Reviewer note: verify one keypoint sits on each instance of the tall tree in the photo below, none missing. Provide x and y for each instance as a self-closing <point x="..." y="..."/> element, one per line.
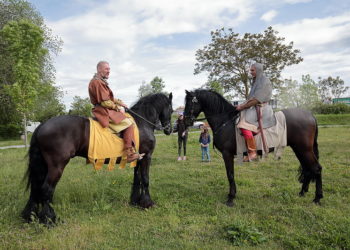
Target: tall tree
<point x="48" y="103"/>
<point x="145" y="89"/>
<point x="228" y="56"/>
<point x="288" y="94"/>
<point x="308" y="93"/>
<point x="157" y="85"/>
<point x="330" y="88"/>
<point x="24" y="44"/>
<point x="294" y="94"/>
<point x="16" y="10"/>
<point x="81" y="106"/>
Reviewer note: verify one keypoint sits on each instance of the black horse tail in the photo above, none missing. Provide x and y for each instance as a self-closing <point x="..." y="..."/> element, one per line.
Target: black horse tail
<point x="37" y="167"/>
<point x="315" y="142"/>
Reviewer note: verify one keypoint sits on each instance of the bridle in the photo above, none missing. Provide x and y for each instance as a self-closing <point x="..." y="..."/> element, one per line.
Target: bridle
<point x="192" y="118"/>
<point x="166" y="127"/>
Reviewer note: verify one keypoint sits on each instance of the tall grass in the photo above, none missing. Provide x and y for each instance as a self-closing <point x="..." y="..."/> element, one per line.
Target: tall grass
<point x="190" y="195"/>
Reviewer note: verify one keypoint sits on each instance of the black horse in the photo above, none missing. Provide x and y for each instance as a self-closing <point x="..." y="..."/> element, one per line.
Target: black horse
<point x="302" y="134"/>
<point x="61" y="138"/>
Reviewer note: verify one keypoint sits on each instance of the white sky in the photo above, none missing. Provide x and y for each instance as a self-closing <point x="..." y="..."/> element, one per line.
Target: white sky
<point x="146" y="38"/>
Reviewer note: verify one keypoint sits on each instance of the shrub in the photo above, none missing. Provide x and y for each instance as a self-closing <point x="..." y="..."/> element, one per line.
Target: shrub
<point x="240" y="234"/>
<point x="10" y="131"/>
<point x="338" y="108"/>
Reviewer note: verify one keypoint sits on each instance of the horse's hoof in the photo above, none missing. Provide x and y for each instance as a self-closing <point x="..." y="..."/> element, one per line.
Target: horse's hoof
<point x="317" y="202"/>
<point x="134" y="203"/>
<point x="301" y="194"/>
<point x="147" y="204"/>
<point x="229" y="203"/>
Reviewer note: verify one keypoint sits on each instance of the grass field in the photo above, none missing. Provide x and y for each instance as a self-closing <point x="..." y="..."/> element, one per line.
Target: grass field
<point x="190" y="196"/>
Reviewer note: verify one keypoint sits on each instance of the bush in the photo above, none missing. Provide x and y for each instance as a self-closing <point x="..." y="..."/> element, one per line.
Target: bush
<point x="338" y="108"/>
<point x="10" y="131"/>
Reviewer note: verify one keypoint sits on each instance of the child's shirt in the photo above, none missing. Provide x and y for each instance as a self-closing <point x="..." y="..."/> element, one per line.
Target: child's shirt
<point x="204" y="140"/>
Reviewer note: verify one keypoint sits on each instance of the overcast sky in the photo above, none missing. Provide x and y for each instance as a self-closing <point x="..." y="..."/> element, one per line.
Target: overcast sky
<point x="146" y="38"/>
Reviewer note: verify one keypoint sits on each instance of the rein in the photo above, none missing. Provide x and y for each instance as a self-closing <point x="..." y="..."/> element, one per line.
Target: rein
<point x="222" y="125"/>
<point x="143" y="118"/>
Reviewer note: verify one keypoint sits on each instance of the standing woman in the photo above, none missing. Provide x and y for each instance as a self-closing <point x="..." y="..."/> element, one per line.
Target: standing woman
<point x="182" y="134"/>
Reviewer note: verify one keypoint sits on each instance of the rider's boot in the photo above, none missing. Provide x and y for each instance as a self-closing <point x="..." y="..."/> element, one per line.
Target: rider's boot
<point x="251" y="146"/>
<point x="128" y="137"/>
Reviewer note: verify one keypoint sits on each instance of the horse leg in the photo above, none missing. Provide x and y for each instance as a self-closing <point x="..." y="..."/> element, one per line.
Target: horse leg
<point x="47" y="215"/>
<point x="31" y="209"/>
<point x="310" y="170"/>
<point x="145" y="199"/>
<point x="305" y="183"/>
<point x="228" y="158"/>
<point x="136" y="187"/>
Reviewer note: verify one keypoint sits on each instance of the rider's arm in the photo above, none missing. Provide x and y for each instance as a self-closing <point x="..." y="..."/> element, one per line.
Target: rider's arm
<point x="247" y="104"/>
<point x="109" y="104"/>
<point x="119" y="102"/>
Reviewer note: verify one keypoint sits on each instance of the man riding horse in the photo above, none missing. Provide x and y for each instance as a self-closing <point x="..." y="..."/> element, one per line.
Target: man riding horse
<point x="258" y="98"/>
<point x="109" y="111"/>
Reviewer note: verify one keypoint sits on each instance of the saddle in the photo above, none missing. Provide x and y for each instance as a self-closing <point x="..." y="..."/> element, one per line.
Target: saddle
<point x="105" y="144"/>
<point x="276" y="137"/>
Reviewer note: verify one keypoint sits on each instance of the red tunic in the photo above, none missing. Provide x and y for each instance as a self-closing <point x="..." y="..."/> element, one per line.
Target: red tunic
<point x="99" y="92"/>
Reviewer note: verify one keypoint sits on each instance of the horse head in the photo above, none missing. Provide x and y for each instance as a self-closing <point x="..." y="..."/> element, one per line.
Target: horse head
<point x="192" y="108"/>
<point x="165" y="115"/>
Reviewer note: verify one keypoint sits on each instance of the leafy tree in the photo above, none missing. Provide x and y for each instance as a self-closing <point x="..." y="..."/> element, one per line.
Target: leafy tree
<point x="155" y="86"/>
<point x="330" y="88"/>
<point x="228" y="57"/>
<point x="145" y="89"/>
<point x="48" y="103"/>
<point x="293" y="94"/>
<point x="308" y="93"/>
<point x="214" y="85"/>
<point x="16" y="10"/>
<point x="288" y="94"/>
<point x="24" y="44"/>
<point x="81" y="106"/>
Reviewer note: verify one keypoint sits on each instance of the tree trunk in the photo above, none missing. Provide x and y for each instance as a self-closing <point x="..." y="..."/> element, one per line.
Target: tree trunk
<point x="25" y="131"/>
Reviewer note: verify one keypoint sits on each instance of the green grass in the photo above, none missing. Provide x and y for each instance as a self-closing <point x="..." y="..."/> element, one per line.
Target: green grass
<point x="333" y="119"/>
<point x="190" y="196"/>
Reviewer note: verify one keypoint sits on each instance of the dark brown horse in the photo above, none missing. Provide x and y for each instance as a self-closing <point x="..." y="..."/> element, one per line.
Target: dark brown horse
<point x="61" y="138"/>
<point x="302" y="134"/>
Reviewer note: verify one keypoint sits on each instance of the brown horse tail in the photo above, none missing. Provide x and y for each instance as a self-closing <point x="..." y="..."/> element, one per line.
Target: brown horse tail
<point x="37" y="168"/>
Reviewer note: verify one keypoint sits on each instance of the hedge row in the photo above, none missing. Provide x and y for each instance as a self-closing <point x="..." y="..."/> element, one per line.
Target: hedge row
<point x="10" y="131"/>
<point x="338" y="108"/>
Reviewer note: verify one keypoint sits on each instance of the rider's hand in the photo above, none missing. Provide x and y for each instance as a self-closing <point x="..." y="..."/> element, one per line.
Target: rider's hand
<point x="122" y="109"/>
<point x="239" y="107"/>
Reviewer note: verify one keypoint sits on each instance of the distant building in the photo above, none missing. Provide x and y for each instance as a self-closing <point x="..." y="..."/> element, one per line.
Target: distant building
<point x="345" y="100"/>
<point x="179" y="110"/>
<point x="31" y="126"/>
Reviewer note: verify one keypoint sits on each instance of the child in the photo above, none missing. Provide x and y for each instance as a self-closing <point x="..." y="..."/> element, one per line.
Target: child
<point x="204" y="140"/>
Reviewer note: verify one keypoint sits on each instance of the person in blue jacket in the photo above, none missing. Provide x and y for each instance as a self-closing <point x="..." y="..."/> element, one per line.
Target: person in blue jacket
<point x="204" y="140"/>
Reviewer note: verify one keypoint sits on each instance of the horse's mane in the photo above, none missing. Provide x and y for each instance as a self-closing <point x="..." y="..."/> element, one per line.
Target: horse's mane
<point x="158" y="101"/>
<point x="213" y="100"/>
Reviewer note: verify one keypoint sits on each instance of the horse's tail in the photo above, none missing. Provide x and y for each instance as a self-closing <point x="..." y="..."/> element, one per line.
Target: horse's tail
<point x="315" y="141"/>
<point x="37" y="168"/>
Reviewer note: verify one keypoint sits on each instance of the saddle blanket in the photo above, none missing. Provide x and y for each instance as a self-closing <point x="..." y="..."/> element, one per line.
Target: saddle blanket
<point x="103" y="144"/>
<point x="276" y="137"/>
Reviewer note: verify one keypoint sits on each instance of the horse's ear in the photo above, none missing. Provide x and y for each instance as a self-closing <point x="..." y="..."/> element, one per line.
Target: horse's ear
<point x="188" y="92"/>
<point x="171" y="96"/>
